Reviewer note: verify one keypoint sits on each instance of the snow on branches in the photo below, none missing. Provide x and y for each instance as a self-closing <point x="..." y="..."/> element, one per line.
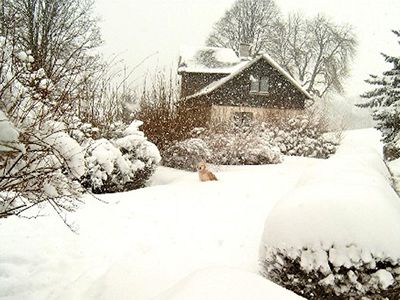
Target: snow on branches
<point x="39" y="161"/>
<point x="47" y="155"/>
<point x="122" y="163"/>
<point x="384" y="100"/>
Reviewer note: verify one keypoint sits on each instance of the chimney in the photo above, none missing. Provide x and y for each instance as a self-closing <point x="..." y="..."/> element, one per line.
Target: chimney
<point x="244" y="50"/>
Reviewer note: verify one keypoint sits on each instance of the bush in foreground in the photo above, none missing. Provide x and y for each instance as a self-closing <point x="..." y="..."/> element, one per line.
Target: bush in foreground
<point x="120" y="164"/>
<point x="39" y="161"/>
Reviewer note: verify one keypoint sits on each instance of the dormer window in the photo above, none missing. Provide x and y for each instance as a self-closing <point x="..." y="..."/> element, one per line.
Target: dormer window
<point x="259" y="84"/>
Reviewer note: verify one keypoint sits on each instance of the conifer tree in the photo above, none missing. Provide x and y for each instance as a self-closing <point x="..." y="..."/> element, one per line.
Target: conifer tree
<point x="384" y="100"/>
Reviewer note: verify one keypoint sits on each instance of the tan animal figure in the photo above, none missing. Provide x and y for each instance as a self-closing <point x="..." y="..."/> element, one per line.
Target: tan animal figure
<point x="204" y="174"/>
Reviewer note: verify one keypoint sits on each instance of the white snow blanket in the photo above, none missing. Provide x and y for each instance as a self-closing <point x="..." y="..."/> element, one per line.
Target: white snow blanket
<point x="226" y="283"/>
<point x="139" y="244"/>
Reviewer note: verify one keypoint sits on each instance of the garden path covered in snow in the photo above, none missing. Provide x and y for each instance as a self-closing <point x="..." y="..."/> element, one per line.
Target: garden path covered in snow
<point x="141" y="243"/>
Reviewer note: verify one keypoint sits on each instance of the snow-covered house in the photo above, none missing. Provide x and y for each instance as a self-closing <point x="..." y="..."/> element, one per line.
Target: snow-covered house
<point x="226" y="87"/>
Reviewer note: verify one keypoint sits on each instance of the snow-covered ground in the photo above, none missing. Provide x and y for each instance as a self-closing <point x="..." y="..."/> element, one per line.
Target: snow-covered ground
<point x="141" y="243"/>
<point x="226" y="283"/>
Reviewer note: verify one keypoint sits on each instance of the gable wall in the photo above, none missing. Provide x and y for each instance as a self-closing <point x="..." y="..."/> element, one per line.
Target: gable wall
<point x="236" y="92"/>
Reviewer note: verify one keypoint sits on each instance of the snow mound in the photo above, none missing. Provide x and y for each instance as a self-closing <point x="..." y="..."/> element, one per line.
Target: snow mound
<point x="342" y="214"/>
<point x="226" y="283"/>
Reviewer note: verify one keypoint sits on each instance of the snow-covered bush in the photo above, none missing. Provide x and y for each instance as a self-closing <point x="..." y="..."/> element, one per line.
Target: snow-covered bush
<point x="82" y="132"/>
<point x="302" y="136"/>
<point x="44" y="161"/>
<point x="242" y="146"/>
<point x="186" y="154"/>
<point x="233" y="146"/>
<point x="335" y="236"/>
<point x="120" y="164"/>
<point x="256" y="144"/>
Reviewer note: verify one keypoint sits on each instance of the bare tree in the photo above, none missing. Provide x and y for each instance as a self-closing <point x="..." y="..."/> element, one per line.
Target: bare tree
<point x="247" y="21"/>
<point x="317" y="52"/>
<point x="59" y="34"/>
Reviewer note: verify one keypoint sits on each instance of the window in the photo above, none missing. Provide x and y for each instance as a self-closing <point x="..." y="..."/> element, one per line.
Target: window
<point x="259" y="84"/>
<point x="264" y="85"/>
<point x="242" y="118"/>
<point x="254" y="84"/>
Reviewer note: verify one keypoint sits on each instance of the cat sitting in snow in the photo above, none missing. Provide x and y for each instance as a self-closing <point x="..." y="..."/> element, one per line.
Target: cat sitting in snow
<point x="204" y="174"/>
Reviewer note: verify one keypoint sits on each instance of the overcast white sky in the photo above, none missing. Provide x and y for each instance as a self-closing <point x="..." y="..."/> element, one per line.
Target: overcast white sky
<point x="134" y="29"/>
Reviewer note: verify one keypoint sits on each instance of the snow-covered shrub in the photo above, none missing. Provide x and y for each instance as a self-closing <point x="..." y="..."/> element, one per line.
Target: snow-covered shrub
<point x="186" y="154"/>
<point x="302" y="136"/>
<point x="335" y="236"/>
<point x="82" y="132"/>
<point x="247" y="146"/>
<point x="232" y="146"/>
<point x="120" y="164"/>
<point x="264" y="143"/>
<point x="45" y="161"/>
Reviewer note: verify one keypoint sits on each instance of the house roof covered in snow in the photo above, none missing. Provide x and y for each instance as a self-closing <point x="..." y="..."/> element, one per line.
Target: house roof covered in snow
<point x="209" y="60"/>
<point x="243" y="66"/>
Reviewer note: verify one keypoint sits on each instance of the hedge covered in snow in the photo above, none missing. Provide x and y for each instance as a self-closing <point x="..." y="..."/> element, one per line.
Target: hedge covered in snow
<point x="336" y="234"/>
<point x="302" y="136"/>
<point x="257" y="144"/>
<point x="248" y="146"/>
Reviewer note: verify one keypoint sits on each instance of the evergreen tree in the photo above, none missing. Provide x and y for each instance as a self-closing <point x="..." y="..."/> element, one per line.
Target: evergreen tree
<point x="384" y="100"/>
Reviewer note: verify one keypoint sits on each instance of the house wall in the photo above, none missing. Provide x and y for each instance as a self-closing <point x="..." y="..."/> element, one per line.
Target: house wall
<point x="194" y="82"/>
<point x="224" y="114"/>
<point x="236" y="92"/>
